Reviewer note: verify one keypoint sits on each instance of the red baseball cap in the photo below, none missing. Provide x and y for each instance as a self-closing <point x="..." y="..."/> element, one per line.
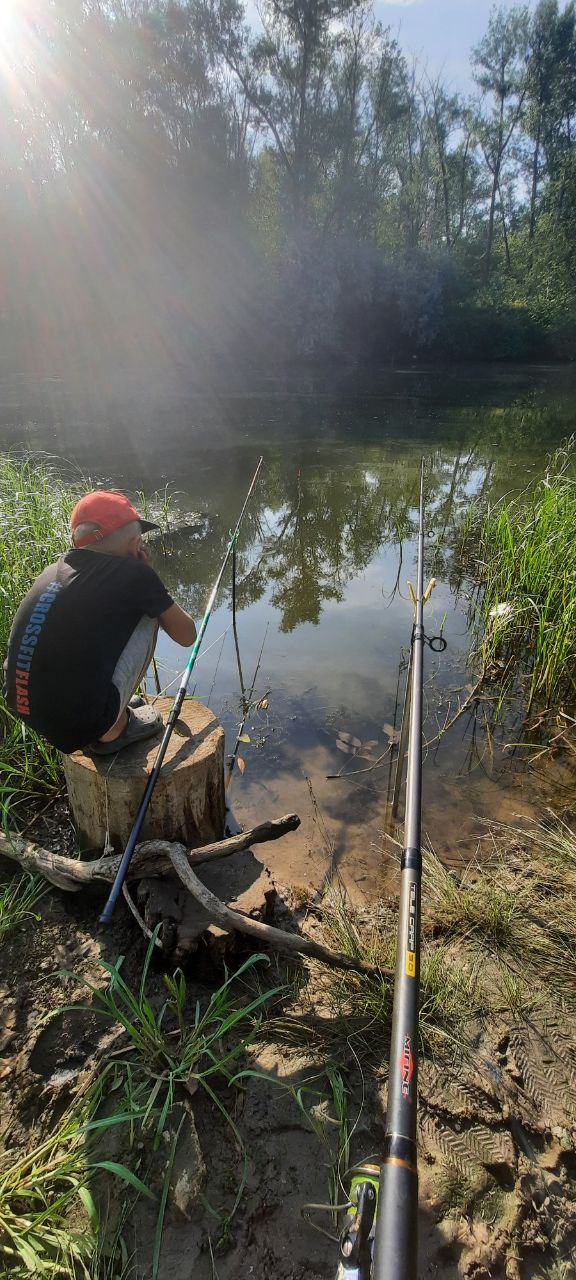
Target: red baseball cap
<point x="109" y="511"/>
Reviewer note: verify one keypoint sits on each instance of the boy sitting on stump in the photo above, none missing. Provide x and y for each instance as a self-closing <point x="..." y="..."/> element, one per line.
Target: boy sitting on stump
<point x="85" y="634"/>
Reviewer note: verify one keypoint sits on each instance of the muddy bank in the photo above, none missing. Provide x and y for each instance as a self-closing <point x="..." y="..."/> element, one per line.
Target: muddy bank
<point x="497" y="1087"/>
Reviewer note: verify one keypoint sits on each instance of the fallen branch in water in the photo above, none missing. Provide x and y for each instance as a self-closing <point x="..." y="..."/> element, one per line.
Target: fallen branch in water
<point x="463" y="706"/>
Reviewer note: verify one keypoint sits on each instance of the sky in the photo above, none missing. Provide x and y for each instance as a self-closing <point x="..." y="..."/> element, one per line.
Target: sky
<point x="440" y="33"/>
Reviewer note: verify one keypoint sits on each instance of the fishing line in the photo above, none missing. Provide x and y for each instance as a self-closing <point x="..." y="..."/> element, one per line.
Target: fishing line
<point x="179" y="674"/>
<point x="216" y="668"/>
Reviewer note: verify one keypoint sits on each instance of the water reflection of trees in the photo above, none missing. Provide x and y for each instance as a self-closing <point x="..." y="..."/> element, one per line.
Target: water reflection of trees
<point x="332" y="522"/>
<point x="312" y="528"/>
<point x="323" y="508"/>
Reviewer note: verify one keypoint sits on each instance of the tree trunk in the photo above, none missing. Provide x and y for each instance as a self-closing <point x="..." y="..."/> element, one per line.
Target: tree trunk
<point x="504" y="230"/>
<point x="490" y="237"/>
<point x="535" y="176"/>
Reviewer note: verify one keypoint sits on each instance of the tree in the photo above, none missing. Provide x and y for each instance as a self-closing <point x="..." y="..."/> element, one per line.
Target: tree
<point x="550" y="36"/>
<point x="499" y="68"/>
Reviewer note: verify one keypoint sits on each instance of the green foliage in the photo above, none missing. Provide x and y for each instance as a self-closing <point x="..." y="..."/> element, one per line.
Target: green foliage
<point x="360" y="1005"/>
<point x="291" y="189"/>
<point x="48" y="1218"/>
<point x="18" y="898"/>
<point x="527" y="565"/>
<point x="506" y="909"/>
<point x="169" y="1052"/>
<point x="35" y="506"/>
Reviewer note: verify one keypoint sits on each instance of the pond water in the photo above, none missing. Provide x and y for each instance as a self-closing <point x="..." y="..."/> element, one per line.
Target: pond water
<point x="324" y="557"/>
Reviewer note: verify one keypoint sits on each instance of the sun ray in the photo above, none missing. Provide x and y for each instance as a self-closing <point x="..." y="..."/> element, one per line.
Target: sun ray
<point x="10" y="22"/>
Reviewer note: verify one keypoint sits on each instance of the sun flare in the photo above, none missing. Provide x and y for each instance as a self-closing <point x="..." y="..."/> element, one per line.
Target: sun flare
<point x="7" y="16"/>
<point x="11" y="25"/>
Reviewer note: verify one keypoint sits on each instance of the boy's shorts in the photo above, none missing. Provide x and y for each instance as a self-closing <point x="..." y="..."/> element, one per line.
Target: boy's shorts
<point x="134" y="660"/>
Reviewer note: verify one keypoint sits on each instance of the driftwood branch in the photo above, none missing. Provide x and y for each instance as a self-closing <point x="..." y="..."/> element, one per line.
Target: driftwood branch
<point x="276" y="938"/>
<point x="152" y="858"/>
<point x="138" y="918"/>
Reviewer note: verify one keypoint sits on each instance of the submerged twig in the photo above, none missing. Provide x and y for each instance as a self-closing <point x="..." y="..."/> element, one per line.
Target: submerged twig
<point x="464" y="706"/>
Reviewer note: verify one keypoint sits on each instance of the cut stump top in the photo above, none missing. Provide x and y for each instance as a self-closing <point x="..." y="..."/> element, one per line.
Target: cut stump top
<point x="195" y="736"/>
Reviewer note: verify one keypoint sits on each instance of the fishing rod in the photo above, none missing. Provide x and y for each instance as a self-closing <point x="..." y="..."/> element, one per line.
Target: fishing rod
<point x="116" y="889"/>
<point x="395" y="1243"/>
<point x="379" y="1241"/>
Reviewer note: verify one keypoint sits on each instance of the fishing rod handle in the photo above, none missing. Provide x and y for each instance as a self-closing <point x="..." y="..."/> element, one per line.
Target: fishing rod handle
<point x="396" y="1242"/>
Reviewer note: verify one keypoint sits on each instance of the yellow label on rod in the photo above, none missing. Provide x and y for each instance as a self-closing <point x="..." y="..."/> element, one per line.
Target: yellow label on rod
<point x="410" y="964"/>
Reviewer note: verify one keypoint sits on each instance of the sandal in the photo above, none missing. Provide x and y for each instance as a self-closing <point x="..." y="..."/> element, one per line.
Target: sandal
<point x="143" y="722"/>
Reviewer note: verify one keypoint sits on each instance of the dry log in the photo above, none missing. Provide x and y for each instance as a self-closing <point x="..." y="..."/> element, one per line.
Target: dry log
<point x="138" y="918"/>
<point x="151" y="858"/>
<point x="276" y="938"/>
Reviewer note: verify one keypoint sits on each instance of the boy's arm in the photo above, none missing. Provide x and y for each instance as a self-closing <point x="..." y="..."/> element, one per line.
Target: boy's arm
<point x="174" y="621"/>
<point x="178" y="625"/>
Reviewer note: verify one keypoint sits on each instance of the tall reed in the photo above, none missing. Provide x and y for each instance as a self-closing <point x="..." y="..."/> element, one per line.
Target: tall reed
<point x="35" y="507"/>
<point x="526" y="562"/>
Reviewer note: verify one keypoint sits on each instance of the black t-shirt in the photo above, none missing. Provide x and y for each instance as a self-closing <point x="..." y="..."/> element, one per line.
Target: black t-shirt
<point x="67" y="637"/>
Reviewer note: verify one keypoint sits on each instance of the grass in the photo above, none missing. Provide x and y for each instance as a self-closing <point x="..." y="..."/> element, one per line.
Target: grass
<point x="347" y="1015"/>
<point x="477" y="905"/>
<point x="165" y="1050"/>
<point x="526" y="565"/>
<point x="495" y="944"/>
<point x="48" y="1218"/>
<point x="18" y="898"/>
<point x="509" y="906"/>
<point x="559" y="1270"/>
<point x="170" y="1050"/>
<point x="333" y="1131"/>
<point x="35" y="506"/>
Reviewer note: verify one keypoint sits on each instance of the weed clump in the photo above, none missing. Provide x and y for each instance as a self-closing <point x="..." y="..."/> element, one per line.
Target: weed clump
<point x="48" y="1217"/>
<point x="493" y="946"/>
<point x="35" y="506"/>
<point x="164" y="1052"/>
<point x="18" y="899"/>
<point x="526" y="567"/>
<point x="506" y="907"/>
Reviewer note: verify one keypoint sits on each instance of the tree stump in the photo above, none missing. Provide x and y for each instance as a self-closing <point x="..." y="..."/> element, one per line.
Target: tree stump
<point x="188" y="802"/>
